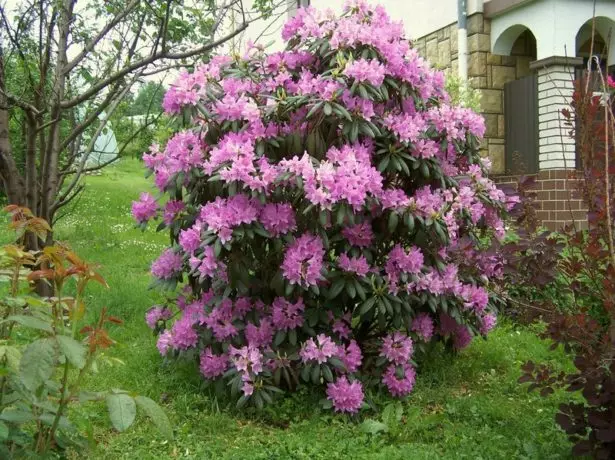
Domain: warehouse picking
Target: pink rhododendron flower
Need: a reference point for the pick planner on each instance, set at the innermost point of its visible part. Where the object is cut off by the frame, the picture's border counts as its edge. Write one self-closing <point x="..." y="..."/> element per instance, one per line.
<point x="171" y="210"/>
<point x="183" y="334"/>
<point x="351" y="356"/>
<point x="278" y="218"/>
<point x="423" y="326"/>
<point x="261" y="335"/>
<point x="363" y="70"/>
<point x="360" y="235"/>
<point x="356" y="265"/>
<point x="167" y="265"/>
<point x="222" y="215"/>
<point x="156" y="314"/>
<point x="345" y="396"/>
<point x="144" y="209"/>
<point x="213" y="365"/>
<point x="247" y="359"/>
<point x="397" y="348"/>
<point x="318" y="351"/>
<point x="164" y="342"/>
<point x="303" y="260"/>
<point x="487" y="323"/>
<point x="287" y="315"/>
<point x="399" y="386"/>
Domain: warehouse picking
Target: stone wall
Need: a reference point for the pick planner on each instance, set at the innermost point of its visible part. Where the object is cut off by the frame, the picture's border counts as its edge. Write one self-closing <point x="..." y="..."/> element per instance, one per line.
<point x="487" y="72"/>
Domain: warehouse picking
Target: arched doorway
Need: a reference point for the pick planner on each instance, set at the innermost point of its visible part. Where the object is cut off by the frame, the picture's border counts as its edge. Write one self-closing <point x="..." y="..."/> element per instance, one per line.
<point x="591" y="44"/>
<point x="520" y="101"/>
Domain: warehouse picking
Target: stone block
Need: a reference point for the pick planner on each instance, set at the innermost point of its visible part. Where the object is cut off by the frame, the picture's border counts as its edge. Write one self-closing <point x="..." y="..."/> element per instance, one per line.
<point x="491" y="124"/>
<point x="501" y="126"/>
<point x="477" y="65"/>
<point x="455" y="67"/>
<point x="509" y="60"/>
<point x="453" y="31"/>
<point x="494" y="59"/>
<point x="487" y="25"/>
<point x="502" y="75"/>
<point x="491" y="100"/>
<point x="523" y="66"/>
<point x="496" y="155"/>
<point x="475" y="24"/>
<point x="478" y="82"/>
<point x="431" y="51"/>
<point x="444" y="54"/>
<point x="479" y="42"/>
<point x="443" y="34"/>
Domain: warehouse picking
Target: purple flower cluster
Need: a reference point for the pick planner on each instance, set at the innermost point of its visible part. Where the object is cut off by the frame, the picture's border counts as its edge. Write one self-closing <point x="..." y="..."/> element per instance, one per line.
<point x="167" y="265"/>
<point x="397" y="348"/>
<point x="399" y="379"/>
<point x="145" y="209"/>
<point x="278" y="218"/>
<point x="423" y="326"/>
<point x="356" y="265"/>
<point x="222" y="215"/>
<point x="156" y="314"/>
<point x="287" y="315"/>
<point x="213" y="365"/>
<point x="303" y="260"/>
<point x="319" y="351"/>
<point x="363" y="70"/>
<point x="346" y="396"/>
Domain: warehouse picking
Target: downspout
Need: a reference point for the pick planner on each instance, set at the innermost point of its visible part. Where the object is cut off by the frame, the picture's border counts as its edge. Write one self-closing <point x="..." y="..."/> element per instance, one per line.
<point x="462" y="40"/>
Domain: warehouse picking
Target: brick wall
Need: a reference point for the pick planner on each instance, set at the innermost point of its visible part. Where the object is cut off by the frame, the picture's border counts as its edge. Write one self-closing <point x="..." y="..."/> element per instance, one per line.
<point x="555" y="87"/>
<point x="557" y="198"/>
<point x="487" y="72"/>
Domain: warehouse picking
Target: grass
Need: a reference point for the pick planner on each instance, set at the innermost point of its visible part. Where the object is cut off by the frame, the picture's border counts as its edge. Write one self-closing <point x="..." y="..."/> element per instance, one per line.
<point x="468" y="406"/>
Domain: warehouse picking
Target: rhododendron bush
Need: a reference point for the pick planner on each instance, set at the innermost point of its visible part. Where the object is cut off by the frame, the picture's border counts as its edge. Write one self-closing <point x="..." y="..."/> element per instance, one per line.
<point x="329" y="213"/>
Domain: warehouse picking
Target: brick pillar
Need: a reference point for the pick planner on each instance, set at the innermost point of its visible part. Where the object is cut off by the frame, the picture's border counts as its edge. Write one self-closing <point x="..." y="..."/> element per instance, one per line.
<point x="556" y="150"/>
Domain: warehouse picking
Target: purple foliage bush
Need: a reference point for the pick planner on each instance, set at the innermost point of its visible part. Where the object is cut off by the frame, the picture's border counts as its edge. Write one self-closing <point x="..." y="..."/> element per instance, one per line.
<point x="329" y="213"/>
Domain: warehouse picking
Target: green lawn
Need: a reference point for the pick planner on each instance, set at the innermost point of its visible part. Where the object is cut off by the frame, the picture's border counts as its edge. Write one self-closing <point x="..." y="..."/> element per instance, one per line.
<point x="468" y="406"/>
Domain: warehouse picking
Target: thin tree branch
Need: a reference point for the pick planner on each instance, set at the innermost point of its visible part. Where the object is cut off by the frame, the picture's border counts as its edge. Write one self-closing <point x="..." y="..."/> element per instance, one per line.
<point x="89" y="47"/>
<point x="93" y="90"/>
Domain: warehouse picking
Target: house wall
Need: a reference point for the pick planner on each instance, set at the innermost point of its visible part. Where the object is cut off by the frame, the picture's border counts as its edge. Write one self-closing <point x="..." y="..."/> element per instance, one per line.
<point x="557" y="199"/>
<point x="554" y="23"/>
<point x="487" y="72"/>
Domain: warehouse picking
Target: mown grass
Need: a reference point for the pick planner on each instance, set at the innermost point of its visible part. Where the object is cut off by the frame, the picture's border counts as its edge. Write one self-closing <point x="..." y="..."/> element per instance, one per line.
<point x="468" y="406"/>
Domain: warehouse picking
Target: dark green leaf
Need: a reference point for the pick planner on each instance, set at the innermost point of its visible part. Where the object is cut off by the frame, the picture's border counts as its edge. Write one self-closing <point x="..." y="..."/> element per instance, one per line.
<point x="371" y="426"/>
<point x="336" y="288"/>
<point x="74" y="351"/>
<point x="156" y="414"/>
<point x="31" y="322"/>
<point x="122" y="410"/>
<point x="37" y="363"/>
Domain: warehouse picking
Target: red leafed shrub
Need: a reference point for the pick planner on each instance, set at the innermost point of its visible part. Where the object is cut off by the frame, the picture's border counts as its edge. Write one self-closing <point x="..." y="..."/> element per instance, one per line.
<point x="586" y="272"/>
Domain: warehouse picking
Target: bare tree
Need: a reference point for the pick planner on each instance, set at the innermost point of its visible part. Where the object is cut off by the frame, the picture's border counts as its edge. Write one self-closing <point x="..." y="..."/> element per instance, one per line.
<point x="66" y="65"/>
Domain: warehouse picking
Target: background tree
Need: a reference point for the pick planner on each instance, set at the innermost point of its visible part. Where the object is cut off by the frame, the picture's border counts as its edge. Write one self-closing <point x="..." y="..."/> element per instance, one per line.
<point x="149" y="99"/>
<point x="66" y="66"/>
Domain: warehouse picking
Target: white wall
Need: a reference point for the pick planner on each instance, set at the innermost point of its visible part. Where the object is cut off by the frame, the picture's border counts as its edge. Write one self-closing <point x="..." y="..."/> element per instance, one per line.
<point x="420" y="17"/>
<point x="554" y="23"/>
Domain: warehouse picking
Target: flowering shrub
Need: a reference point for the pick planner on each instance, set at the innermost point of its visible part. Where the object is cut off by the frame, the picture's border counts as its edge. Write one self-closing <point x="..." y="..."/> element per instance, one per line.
<point x="329" y="213"/>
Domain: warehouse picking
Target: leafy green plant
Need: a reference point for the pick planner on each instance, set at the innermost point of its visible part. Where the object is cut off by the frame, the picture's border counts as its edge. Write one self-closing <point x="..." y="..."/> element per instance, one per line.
<point x="390" y="423"/>
<point x="46" y="351"/>
<point x="462" y="93"/>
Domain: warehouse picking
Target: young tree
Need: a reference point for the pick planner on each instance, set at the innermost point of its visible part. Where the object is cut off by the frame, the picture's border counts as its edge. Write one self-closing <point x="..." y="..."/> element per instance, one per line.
<point x="65" y="66"/>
